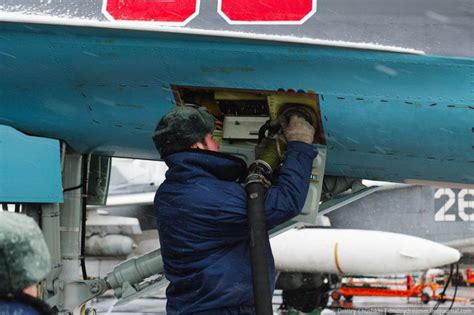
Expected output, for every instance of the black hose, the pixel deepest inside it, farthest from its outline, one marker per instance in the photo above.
(72, 188)
(84, 184)
(262, 131)
(259, 245)
(455, 289)
(443, 293)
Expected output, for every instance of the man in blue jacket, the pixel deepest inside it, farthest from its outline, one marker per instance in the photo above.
(201, 210)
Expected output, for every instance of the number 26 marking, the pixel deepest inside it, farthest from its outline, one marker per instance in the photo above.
(463, 204)
(181, 12)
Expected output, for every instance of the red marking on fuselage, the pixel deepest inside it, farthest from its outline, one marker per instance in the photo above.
(266, 11)
(180, 12)
(177, 12)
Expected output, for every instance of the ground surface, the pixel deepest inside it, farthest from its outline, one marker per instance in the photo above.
(361, 305)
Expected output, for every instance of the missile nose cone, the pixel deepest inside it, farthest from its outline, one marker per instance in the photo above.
(428, 254)
(440, 255)
(455, 255)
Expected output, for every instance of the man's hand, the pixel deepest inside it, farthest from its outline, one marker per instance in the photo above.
(299, 129)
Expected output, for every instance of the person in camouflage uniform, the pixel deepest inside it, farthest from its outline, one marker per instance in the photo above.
(24, 261)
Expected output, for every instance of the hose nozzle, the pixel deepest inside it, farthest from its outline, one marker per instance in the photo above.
(301, 110)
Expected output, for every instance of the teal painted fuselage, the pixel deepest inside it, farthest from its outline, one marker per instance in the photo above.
(386, 115)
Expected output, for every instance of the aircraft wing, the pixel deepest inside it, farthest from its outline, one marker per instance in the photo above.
(466, 246)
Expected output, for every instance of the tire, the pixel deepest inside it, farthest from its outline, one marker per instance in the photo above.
(305, 300)
(90, 311)
(458, 280)
(336, 295)
(425, 298)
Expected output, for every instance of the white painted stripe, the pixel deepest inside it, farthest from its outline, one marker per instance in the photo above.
(146, 26)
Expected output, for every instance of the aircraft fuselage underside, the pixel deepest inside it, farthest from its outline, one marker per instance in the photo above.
(390, 116)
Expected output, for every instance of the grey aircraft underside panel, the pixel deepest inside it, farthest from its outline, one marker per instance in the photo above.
(437, 27)
(410, 210)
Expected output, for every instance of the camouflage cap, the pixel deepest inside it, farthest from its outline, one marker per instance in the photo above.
(182, 127)
(24, 256)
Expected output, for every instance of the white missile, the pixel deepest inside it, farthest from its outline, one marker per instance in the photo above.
(357, 252)
(109, 245)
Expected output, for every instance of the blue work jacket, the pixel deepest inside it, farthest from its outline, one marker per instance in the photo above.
(16, 308)
(23, 305)
(201, 212)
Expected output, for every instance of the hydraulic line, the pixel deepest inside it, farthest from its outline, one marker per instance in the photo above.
(135, 270)
(85, 181)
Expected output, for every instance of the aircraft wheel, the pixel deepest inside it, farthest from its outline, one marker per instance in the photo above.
(336, 295)
(458, 280)
(425, 298)
(305, 300)
(90, 311)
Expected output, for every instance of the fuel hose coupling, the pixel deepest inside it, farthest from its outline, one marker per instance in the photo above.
(259, 172)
